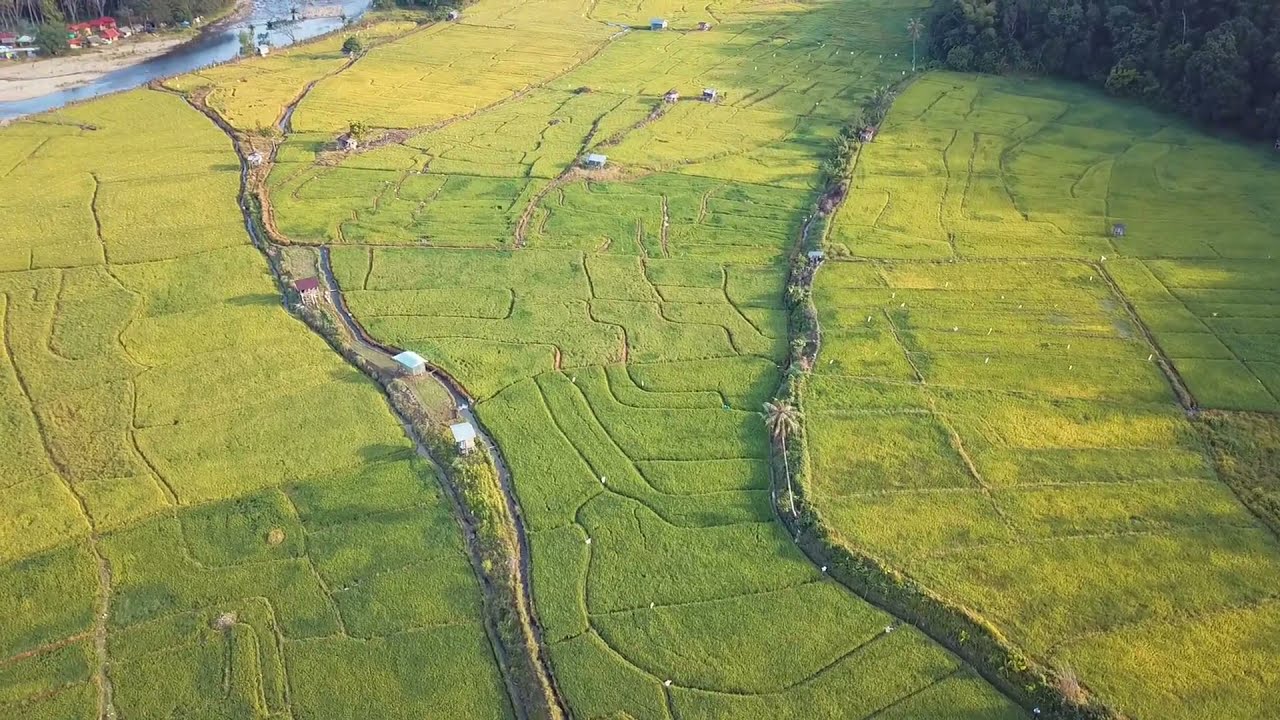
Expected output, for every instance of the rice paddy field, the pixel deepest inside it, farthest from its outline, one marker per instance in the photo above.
(209, 514)
(620, 331)
(988, 412)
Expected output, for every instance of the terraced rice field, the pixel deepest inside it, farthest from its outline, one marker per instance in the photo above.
(207, 513)
(211, 515)
(989, 414)
(620, 331)
(1000, 169)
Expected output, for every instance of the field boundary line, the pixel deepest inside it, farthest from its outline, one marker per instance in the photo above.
(1171, 374)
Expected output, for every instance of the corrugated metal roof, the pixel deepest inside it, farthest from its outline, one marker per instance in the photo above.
(462, 432)
(410, 359)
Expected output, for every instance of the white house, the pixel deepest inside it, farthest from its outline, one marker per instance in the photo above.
(596, 160)
(412, 362)
(264, 50)
(709, 94)
(464, 434)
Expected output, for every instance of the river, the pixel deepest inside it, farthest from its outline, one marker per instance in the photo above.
(215, 45)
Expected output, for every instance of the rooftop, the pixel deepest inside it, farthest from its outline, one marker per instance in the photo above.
(462, 432)
(305, 284)
(410, 359)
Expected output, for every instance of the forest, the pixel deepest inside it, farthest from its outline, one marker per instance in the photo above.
(24, 13)
(1216, 61)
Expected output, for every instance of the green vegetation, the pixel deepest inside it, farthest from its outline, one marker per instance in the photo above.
(991, 459)
(989, 415)
(194, 460)
(1215, 64)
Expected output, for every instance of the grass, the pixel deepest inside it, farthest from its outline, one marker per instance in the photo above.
(987, 413)
(174, 421)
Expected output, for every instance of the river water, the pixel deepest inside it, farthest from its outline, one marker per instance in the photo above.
(214, 45)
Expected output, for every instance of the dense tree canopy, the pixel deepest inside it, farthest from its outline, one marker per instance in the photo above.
(21, 13)
(1215, 60)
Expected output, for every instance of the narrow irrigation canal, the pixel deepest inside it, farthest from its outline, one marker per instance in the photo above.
(462, 401)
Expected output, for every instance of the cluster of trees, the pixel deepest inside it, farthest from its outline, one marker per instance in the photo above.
(29, 13)
(1217, 61)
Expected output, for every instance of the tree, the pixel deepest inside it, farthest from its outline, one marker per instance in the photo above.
(352, 46)
(915, 28)
(247, 48)
(877, 106)
(357, 130)
(52, 40)
(782, 419)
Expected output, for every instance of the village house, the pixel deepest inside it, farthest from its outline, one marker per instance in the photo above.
(411, 362)
(657, 24)
(464, 434)
(704, 26)
(308, 289)
(1119, 229)
(671, 96)
(596, 160)
(710, 94)
(867, 134)
(254, 159)
(264, 50)
(348, 143)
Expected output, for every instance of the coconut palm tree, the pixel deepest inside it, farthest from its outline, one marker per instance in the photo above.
(782, 419)
(915, 29)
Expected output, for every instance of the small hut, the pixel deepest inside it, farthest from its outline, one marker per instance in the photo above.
(816, 257)
(704, 26)
(348, 143)
(710, 94)
(254, 159)
(464, 434)
(657, 24)
(867, 134)
(1277, 146)
(411, 362)
(1119, 229)
(308, 289)
(671, 96)
(596, 161)
(264, 50)
(453, 15)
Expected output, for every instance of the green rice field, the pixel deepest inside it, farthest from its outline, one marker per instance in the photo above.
(207, 513)
(987, 411)
(1064, 431)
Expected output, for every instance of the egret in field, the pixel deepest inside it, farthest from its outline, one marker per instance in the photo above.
(588, 541)
(650, 605)
(824, 568)
(602, 480)
(1151, 357)
(666, 683)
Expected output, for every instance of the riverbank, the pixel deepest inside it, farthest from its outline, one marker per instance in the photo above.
(26, 80)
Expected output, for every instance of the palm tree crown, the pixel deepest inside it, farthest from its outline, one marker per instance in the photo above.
(781, 418)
